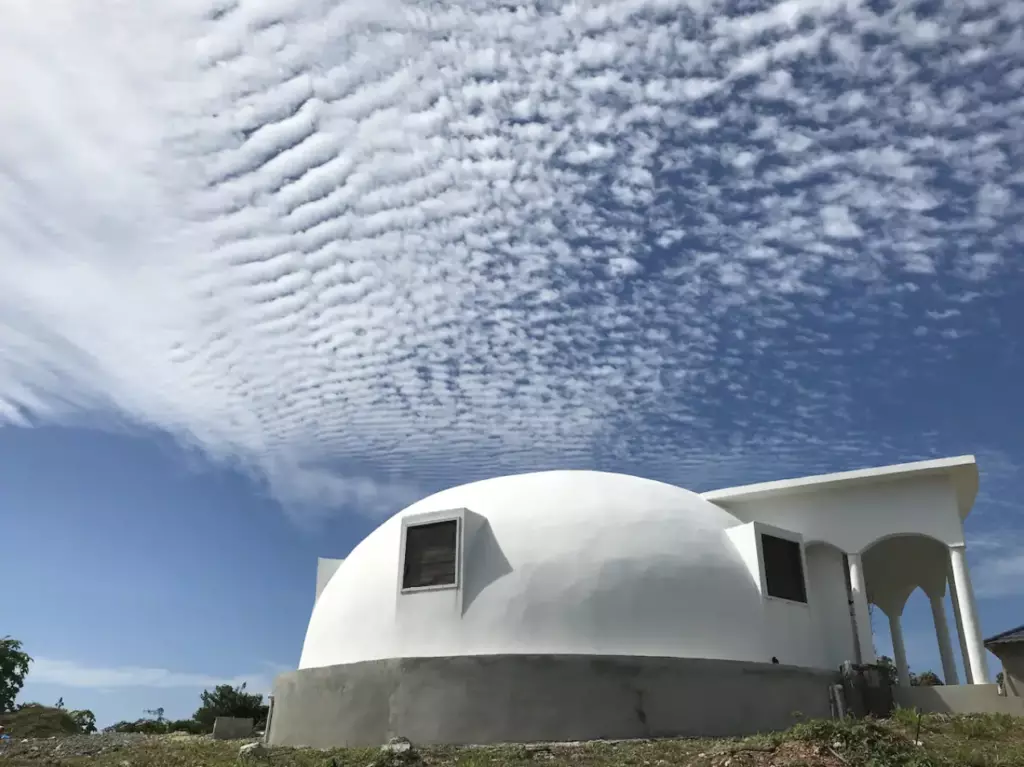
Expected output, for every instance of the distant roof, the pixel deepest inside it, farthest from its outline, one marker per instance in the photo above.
(1007, 637)
(962, 469)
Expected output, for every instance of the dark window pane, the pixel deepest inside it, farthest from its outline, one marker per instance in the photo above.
(430, 554)
(783, 569)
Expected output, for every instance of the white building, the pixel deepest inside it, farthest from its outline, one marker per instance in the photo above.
(490, 611)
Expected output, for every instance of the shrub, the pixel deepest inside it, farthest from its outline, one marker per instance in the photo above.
(33, 720)
(190, 726)
(225, 700)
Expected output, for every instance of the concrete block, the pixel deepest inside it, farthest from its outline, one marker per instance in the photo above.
(232, 728)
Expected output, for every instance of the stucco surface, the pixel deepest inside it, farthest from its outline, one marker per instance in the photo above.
(232, 728)
(1012, 658)
(562, 562)
(529, 698)
(958, 699)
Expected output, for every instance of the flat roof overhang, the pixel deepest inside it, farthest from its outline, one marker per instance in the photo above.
(962, 471)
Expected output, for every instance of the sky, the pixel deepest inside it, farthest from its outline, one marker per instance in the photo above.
(272, 270)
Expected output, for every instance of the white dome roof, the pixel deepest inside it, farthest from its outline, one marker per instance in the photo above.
(560, 562)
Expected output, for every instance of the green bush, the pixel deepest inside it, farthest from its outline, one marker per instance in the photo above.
(190, 726)
(225, 700)
(145, 726)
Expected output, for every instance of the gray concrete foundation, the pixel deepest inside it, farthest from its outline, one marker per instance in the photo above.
(529, 698)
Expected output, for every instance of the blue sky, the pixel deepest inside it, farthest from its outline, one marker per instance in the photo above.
(271, 270)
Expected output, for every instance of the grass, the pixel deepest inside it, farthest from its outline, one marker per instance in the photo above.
(945, 741)
(39, 722)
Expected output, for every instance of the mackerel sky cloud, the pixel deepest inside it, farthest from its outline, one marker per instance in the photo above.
(363, 249)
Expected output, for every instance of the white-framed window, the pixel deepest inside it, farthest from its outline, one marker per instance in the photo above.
(431, 556)
(783, 566)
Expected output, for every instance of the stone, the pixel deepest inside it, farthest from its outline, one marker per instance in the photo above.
(397, 745)
(252, 751)
(397, 752)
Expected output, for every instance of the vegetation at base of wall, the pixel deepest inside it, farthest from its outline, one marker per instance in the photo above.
(922, 679)
(905, 740)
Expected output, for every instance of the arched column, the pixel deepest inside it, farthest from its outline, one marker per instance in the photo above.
(969, 615)
(899, 650)
(954, 600)
(862, 615)
(949, 675)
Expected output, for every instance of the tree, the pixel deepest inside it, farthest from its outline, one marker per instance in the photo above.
(226, 700)
(999, 678)
(156, 713)
(925, 679)
(14, 665)
(85, 719)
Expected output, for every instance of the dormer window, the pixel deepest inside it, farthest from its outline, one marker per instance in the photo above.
(431, 554)
(783, 568)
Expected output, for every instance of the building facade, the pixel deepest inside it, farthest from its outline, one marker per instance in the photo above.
(571, 605)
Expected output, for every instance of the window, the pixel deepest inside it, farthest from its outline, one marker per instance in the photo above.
(783, 568)
(431, 554)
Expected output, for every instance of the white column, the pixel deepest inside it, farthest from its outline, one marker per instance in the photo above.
(969, 615)
(899, 650)
(949, 675)
(955, 601)
(861, 613)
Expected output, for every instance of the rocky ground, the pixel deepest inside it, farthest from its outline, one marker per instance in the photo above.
(69, 747)
(904, 741)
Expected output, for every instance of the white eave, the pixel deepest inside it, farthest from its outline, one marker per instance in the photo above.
(962, 471)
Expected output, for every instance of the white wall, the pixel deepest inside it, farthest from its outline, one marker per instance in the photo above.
(744, 538)
(854, 518)
(789, 633)
(325, 569)
(828, 598)
(790, 630)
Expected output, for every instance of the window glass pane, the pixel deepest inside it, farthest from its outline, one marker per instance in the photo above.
(430, 554)
(783, 569)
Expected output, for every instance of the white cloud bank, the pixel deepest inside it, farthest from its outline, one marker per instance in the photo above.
(468, 237)
(72, 674)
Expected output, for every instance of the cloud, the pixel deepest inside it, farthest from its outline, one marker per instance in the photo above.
(362, 248)
(73, 674)
(997, 569)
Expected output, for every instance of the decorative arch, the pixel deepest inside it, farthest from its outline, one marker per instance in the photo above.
(895, 566)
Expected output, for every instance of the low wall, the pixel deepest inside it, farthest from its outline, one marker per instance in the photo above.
(958, 699)
(232, 728)
(530, 698)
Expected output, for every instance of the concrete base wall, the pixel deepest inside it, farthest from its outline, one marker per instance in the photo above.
(958, 699)
(530, 698)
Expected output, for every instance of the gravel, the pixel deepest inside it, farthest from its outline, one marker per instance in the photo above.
(68, 746)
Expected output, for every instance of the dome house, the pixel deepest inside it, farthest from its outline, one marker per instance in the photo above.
(570, 605)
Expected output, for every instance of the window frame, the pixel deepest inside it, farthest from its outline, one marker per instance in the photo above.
(429, 518)
(784, 535)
